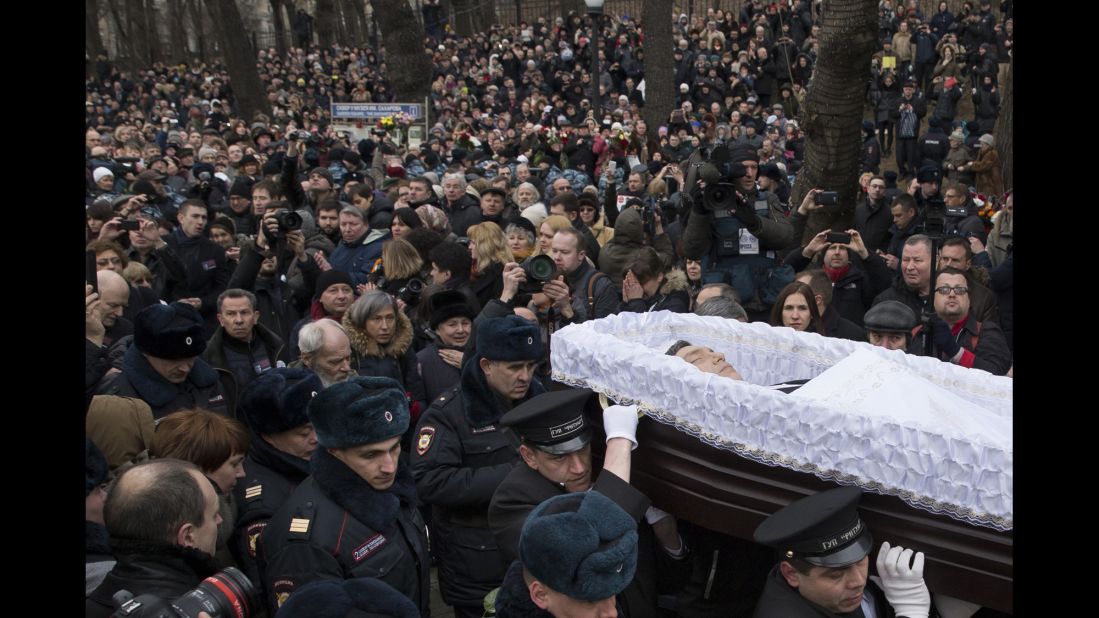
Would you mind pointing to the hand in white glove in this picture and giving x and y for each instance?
(654, 514)
(902, 582)
(621, 422)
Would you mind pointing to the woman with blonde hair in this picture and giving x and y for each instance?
(401, 263)
(490, 252)
(546, 231)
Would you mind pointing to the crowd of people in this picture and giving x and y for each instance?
(349, 337)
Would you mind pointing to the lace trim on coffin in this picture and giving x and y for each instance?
(929, 468)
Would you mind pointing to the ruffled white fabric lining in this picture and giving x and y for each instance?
(947, 451)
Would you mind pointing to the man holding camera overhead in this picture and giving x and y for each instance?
(735, 228)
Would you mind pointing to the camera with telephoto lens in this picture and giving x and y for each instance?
(227, 593)
(538, 270)
(288, 221)
(410, 292)
(720, 175)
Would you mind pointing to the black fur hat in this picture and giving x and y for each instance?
(169, 331)
(277, 400)
(360, 411)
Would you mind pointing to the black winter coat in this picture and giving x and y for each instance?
(779, 600)
(272, 476)
(524, 488)
(279, 305)
(140, 381)
(872, 221)
(166, 572)
(337, 526)
(461, 455)
(438, 376)
(207, 273)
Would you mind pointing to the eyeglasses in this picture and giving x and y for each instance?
(946, 289)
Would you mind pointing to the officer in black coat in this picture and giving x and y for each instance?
(356, 515)
(364, 597)
(462, 453)
(825, 551)
(283, 440)
(163, 368)
(578, 552)
(557, 458)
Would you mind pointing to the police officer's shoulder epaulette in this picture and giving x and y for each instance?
(301, 524)
(253, 493)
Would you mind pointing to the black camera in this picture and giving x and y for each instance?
(225, 593)
(288, 221)
(826, 198)
(410, 292)
(839, 237)
(538, 270)
(129, 225)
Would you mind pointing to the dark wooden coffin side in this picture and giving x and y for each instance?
(723, 491)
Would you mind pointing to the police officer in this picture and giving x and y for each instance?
(363, 597)
(163, 368)
(825, 551)
(462, 454)
(556, 452)
(355, 515)
(283, 440)
(576, 553)
(738, 244)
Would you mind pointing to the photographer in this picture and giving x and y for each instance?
(737, 239)
(162, 517)
(639, 226)
(857, 274)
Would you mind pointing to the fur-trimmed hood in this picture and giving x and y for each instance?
(675, 280)
(364, 344)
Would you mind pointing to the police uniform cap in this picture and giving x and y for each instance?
(823, 529)
(363, 410)
(890, 316)
(170, 332)
(509, 338)
(929, 173)
(553, 422)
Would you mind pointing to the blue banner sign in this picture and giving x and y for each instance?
(375, 110)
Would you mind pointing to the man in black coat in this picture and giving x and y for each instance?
(283, 440)
(958, 336)
(854, 275)
(356, 515)
(557, 459)
(162, 517)
(462, 454)
(163, 368)
(826, 557)
(241, 347)
(872, 216)
(203, 260)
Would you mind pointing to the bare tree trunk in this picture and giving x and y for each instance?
(177, 33)
(409, 69)
(486, 16)
(93, 42)
(343, 32)
(139, 33)
(156, 54)
(1004, 134)
(280, 27)
(196, 24)
(659, 65)
(126, 50)
(358, 12)
(326, 23)
(463, 18)
(833, 110)
(240, 58)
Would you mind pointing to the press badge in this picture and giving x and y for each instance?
(749, 244)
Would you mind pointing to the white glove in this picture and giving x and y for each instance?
(903, 584)
(621, 422)
(653, 515)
